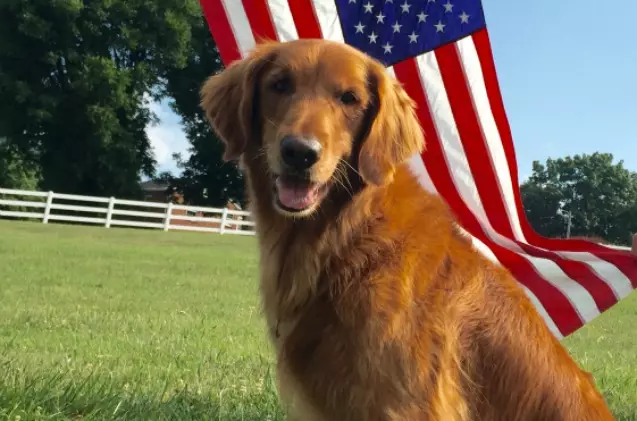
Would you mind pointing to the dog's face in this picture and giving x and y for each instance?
(314, 111)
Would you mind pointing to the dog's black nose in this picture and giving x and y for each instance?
(300, 153)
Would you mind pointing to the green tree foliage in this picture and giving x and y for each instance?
(601, 197)
(205, 178)
(15, 171)
(75, 76)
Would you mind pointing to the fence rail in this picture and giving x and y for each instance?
(110, 211)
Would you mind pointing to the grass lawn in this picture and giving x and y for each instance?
(105, 324)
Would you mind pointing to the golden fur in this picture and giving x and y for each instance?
(379, 309)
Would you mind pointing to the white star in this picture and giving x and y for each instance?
(405, 6)
(396, 27)
(440, 27)
(359, 28)
(372, 38)
(448, 6)
(380, 18)
(464, 18)
(351, 1)
(368, 7)
(389, 1)
(431, 1)
(422, 17)
(387, 47)
(413, 37)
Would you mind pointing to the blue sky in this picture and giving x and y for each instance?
(566, 70)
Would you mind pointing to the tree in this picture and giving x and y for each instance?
(15, 171)
(75, 76)
(206, 179)
(598, 196)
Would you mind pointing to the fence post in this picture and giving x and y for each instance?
(109, 212)
(169, 212)
(224, 218)
(47, 209)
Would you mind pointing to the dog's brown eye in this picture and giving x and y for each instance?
(349, 98)
(282, 86)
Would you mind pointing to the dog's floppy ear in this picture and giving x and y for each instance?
(393, 133)
(229, 100)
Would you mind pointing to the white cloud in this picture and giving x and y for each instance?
(166, 137)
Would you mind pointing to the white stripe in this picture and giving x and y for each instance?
(390, 71)
(327, 15)
(459, 169)
(240, 25)
(417, 167)
(473, 71)
(608, 272)
(470, 61)
(283, 20)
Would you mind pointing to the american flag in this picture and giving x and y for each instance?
(441, 53)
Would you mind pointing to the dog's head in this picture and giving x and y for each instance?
(313, 112)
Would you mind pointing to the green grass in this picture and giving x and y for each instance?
(100, 324)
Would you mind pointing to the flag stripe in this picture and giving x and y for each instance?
(554, 301)
(258, 14)
(482, 170)
(283, 20)
(238, 20)
(307, 24)
(472, 70)
(327, 15)
(465, 184)
(221, 30)
(474, 73)
(470, 136)
(621, 261)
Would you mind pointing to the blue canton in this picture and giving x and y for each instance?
(394, 30)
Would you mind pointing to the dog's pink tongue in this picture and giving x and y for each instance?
(294, 196)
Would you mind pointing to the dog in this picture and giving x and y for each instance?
(378, 307)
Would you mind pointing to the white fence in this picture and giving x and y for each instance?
(109, 212)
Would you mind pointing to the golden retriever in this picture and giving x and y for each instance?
(379, 308)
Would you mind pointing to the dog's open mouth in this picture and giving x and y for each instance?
(297, 195)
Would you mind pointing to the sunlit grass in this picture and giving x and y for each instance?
(118, 324)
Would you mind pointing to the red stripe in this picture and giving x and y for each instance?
(222, 33)
(626, 263)
(486, 179)
(556, 304)
(305, 20)
(470, 133)
(260, 20)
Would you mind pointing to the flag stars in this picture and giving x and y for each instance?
(464, 18)
(387, 48)
(372, 37)
(440, 27)
(448, 7)
(368, 7)
(422, 17)
(359, 28)
(405, 7)
(380, 18)
(351, 1)
(413, 37)
(396, 26)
